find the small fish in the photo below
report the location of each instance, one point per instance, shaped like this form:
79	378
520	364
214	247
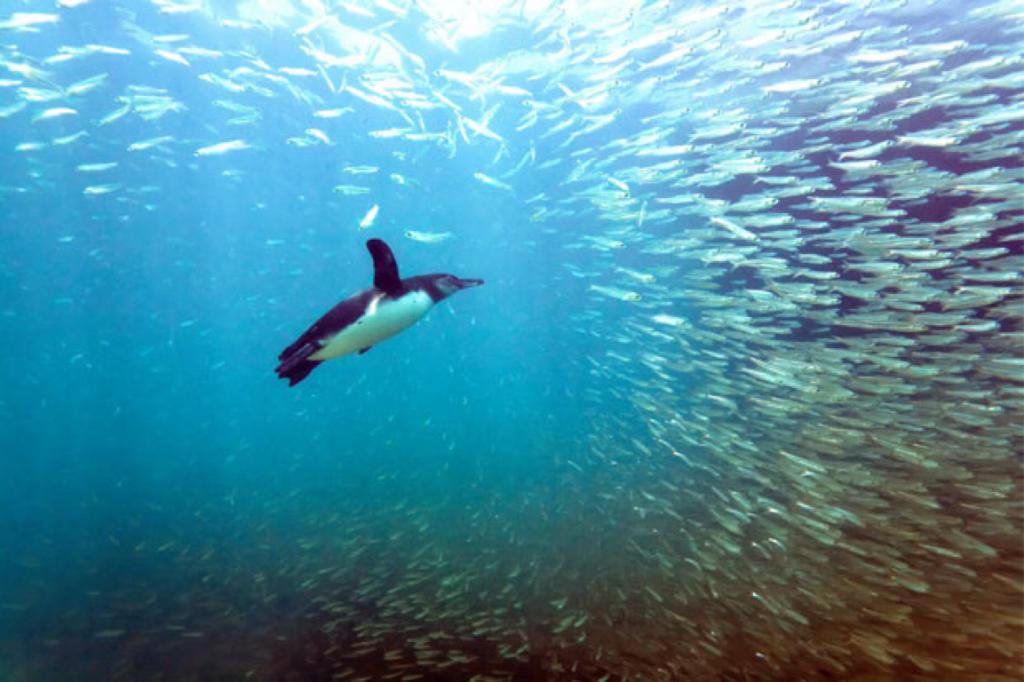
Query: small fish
108	634
488	180
387	133
115	114
428	237
26	70
734	229
319	135
616	293
332	113
923	140
143	145
643	277
669	320
68	139
55	112
83	86
26	19
39	94
793	85
222	148
95	167
12	109
194	51
480	129
172	57
370	216
351	190
97	190
619	183
172	38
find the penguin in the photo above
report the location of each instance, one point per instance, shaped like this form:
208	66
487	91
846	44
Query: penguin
362	320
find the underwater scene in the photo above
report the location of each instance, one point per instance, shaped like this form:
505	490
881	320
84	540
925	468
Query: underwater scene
512	340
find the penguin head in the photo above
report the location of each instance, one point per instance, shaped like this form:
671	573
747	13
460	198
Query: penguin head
449	284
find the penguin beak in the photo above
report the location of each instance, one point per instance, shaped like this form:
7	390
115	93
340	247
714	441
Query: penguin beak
466	283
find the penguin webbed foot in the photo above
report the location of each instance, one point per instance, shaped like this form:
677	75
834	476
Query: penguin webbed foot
295	363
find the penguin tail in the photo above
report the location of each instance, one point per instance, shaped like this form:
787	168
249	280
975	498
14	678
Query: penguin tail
295	363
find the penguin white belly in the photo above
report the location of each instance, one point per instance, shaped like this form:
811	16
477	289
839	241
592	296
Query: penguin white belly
383	319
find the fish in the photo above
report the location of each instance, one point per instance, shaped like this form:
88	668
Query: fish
319	135
12	109
388	133
25	20
172	56
222	148
733	228
488	180
616	293
98	190
96	167
55	112
68	139
428	237
143	145
618	183
332	113
86	85
115	115
350	190
369	218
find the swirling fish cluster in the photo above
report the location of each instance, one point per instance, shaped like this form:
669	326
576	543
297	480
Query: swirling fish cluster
803	262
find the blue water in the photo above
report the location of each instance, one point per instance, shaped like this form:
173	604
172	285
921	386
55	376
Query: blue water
148	446
172	510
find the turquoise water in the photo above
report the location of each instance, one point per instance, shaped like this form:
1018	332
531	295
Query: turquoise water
740	398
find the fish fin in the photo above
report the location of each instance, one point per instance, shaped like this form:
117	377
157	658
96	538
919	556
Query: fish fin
385	269
363	350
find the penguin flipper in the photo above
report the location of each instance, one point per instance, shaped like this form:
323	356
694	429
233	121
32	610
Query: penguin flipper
385	268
